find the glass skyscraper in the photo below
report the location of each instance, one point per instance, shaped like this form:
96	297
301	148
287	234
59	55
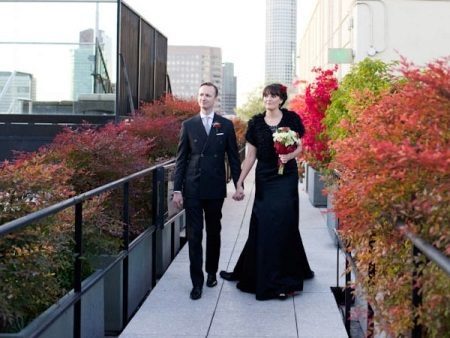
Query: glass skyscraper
228	89
281	36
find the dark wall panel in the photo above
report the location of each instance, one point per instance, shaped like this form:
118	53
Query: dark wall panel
146	84
161	64
24	132
129	48
144	50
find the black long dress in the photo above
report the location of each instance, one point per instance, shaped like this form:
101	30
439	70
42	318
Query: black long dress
273	260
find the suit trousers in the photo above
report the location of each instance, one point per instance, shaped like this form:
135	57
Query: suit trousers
212	209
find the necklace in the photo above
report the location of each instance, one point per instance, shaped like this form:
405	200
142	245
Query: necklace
273	122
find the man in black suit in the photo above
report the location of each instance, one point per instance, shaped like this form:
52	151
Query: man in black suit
200	182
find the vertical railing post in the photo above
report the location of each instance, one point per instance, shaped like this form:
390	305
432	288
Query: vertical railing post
338	247
337	264
153	259
370	314
416	296
125	244
172	240
78	267
347	294
370	321
157	214
158	197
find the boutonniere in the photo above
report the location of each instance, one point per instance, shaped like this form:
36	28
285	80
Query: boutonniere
217	126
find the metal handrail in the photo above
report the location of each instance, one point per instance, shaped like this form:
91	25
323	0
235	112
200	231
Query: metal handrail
419	246
77	201
433	254
53	209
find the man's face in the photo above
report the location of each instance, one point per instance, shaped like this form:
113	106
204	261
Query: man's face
206	97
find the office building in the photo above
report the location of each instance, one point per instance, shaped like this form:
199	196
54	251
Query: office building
17	91
229	88
189	66
84	59
281	37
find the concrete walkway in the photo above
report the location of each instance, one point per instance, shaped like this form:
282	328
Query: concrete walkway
225	311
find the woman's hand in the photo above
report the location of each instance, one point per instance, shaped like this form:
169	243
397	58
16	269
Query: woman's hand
239	194
286	157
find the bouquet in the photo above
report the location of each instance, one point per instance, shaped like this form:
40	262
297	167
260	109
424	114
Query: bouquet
285	142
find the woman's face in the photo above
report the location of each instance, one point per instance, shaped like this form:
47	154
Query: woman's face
271	102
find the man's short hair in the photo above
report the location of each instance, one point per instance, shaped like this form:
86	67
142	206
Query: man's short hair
210	84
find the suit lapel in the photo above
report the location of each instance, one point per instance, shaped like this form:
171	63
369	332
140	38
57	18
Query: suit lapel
211	138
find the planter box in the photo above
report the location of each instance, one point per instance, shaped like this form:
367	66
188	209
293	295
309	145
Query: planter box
112	292
332	222
168	243
140	271
139	281
315	188
92	308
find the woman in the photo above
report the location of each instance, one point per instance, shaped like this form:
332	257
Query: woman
273	263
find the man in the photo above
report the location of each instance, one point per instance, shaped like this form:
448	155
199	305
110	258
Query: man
200	183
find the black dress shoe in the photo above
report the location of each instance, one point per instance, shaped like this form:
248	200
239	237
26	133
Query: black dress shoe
196	293
211	281
309	275
227	275
282	296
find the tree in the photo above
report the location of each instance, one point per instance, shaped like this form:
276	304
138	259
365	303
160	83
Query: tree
253	106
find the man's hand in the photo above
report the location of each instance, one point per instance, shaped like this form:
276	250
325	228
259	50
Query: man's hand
178	200
239	194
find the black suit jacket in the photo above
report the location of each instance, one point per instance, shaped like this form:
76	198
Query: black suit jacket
200	166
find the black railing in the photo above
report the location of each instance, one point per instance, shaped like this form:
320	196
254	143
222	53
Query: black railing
349	298
420	247
162	217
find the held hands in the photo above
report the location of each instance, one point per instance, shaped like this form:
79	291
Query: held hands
239	194
178	200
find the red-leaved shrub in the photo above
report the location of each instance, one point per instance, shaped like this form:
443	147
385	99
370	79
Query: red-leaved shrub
169	105
99	156
311	107
163	131
395	166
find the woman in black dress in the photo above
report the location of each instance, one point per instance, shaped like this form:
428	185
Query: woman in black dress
273	263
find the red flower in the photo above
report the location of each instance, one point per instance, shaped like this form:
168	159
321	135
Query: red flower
311	107
217	125
285	142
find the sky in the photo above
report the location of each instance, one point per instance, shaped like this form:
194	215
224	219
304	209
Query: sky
236	26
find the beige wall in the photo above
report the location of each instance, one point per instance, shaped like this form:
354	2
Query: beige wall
383	29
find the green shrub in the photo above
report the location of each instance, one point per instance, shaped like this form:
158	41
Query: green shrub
360	88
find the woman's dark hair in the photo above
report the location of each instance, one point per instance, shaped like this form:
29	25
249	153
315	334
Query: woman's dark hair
276	89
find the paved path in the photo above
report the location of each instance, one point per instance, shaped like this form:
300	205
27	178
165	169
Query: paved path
224	311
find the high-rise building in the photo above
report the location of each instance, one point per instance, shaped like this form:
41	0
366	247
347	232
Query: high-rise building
281	36
189	66
17	91
84	60
228	89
